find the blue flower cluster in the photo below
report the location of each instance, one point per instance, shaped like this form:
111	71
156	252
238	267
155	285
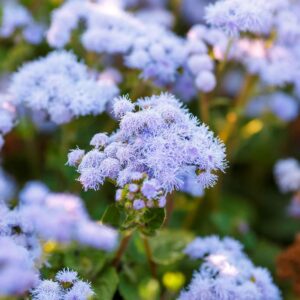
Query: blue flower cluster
280	104
15	17
234	16
61	87
38	218
157	145
157	52
226	273
287	175
67	286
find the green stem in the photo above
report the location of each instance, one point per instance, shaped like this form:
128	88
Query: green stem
223	63
152	264
204	106
121	250
192	216
169	209
234	117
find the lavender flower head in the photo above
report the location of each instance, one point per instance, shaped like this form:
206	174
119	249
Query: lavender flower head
287	175
226	273
151	48
15	263
62	87
59	210
66	286
15	16
234	16
156	145
282	105
41	215
203	47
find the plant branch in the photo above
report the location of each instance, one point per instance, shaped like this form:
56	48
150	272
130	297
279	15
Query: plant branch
122	248
152	264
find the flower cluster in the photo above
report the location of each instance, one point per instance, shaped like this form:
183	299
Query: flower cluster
158	53
282	105
15	264
234	16
226	273
41	216
287	175
48	212
205	47
200	40
14	17
67	286
193	10
157	145
61	87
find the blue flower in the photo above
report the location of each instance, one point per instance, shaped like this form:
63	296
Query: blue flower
61	87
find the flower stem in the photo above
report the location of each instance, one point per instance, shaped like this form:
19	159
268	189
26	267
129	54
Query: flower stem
122	248
223	63
241	101
204	107
152	264
169	209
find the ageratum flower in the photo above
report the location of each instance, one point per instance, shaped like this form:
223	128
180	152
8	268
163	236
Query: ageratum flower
157	145
234	16
41	215
287	175
66	286
61	87
59	210
203	46
226	273
14	17
15	263
282	105
157	52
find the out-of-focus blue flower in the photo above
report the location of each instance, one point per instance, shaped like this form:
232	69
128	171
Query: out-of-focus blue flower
282	105
235	16
14	17
287	175
42	215
226	273
62	87
149	47
15	264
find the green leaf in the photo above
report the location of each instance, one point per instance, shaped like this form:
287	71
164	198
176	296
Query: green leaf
87	261
167	246
106	285
112	216
153	220
127	289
